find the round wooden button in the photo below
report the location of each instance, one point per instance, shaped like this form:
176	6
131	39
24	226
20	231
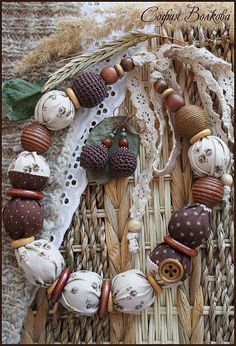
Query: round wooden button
25	193
170	270
105	292
62	281
155	285
21	242
180	247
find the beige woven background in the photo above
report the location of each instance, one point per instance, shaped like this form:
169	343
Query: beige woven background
201	310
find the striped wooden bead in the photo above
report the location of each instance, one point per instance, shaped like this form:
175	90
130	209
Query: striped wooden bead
190	120
208	191
37	138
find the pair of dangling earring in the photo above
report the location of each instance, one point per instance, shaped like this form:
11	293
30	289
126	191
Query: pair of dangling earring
95	158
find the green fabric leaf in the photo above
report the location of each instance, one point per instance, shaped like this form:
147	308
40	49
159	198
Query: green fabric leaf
101	131
20	98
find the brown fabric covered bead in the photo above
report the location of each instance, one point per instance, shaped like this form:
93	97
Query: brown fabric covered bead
37	138
94	158
174	102
164	251
127	64
109	75
160	85
122	163
27	181
22	218
208	191
191	225
190	120
90	89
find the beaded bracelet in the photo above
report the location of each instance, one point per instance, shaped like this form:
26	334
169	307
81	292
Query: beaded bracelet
169	263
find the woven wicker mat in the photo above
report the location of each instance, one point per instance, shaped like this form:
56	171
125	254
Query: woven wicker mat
199	312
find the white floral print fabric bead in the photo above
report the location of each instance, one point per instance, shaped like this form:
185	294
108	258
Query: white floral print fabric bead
55	110
209	156
82	292
31	163
131	292
41	261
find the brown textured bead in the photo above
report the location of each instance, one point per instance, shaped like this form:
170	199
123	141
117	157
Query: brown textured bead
189	120
123	143
107	142
63	278
104	298
37	138
160	85
127	64
109	75
25	193
174	102
208	191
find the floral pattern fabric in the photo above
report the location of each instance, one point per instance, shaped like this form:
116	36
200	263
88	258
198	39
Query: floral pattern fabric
82	292
41	261
31	163
131	292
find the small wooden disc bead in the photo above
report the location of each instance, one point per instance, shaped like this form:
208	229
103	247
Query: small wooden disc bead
25	193
109	75
51	288
15	244
155	285
119	70
105	292
199	135
160	86
174	102
134	226
167	93
62	281
180	247
37	138
72	96
110	303
208	191
127	64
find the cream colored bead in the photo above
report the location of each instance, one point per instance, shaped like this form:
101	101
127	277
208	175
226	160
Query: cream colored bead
119	70
134	226
15	244
226	179
167	93
73	98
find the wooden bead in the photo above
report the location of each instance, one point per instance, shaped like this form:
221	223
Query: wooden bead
170	270
110	303
155	285
37	138
15	244
51	288
190	120
73	97
160	86
200	135
62	281
109	75
180	247
123	143
107	142
174	102
226	179
119	70
134	226
127	64
167	93
208	190
25	193
105	292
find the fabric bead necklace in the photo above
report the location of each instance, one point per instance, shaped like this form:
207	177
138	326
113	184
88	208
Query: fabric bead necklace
85	292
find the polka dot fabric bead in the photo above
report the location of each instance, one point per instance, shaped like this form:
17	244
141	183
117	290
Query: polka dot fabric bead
191	225
22	218
27	181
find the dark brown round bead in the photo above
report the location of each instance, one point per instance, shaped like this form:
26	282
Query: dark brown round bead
94	158
123	143
208	191
37	138
27	181
22	218
109	75
160	85
127	64
122	163
105	291
107	142
174	102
